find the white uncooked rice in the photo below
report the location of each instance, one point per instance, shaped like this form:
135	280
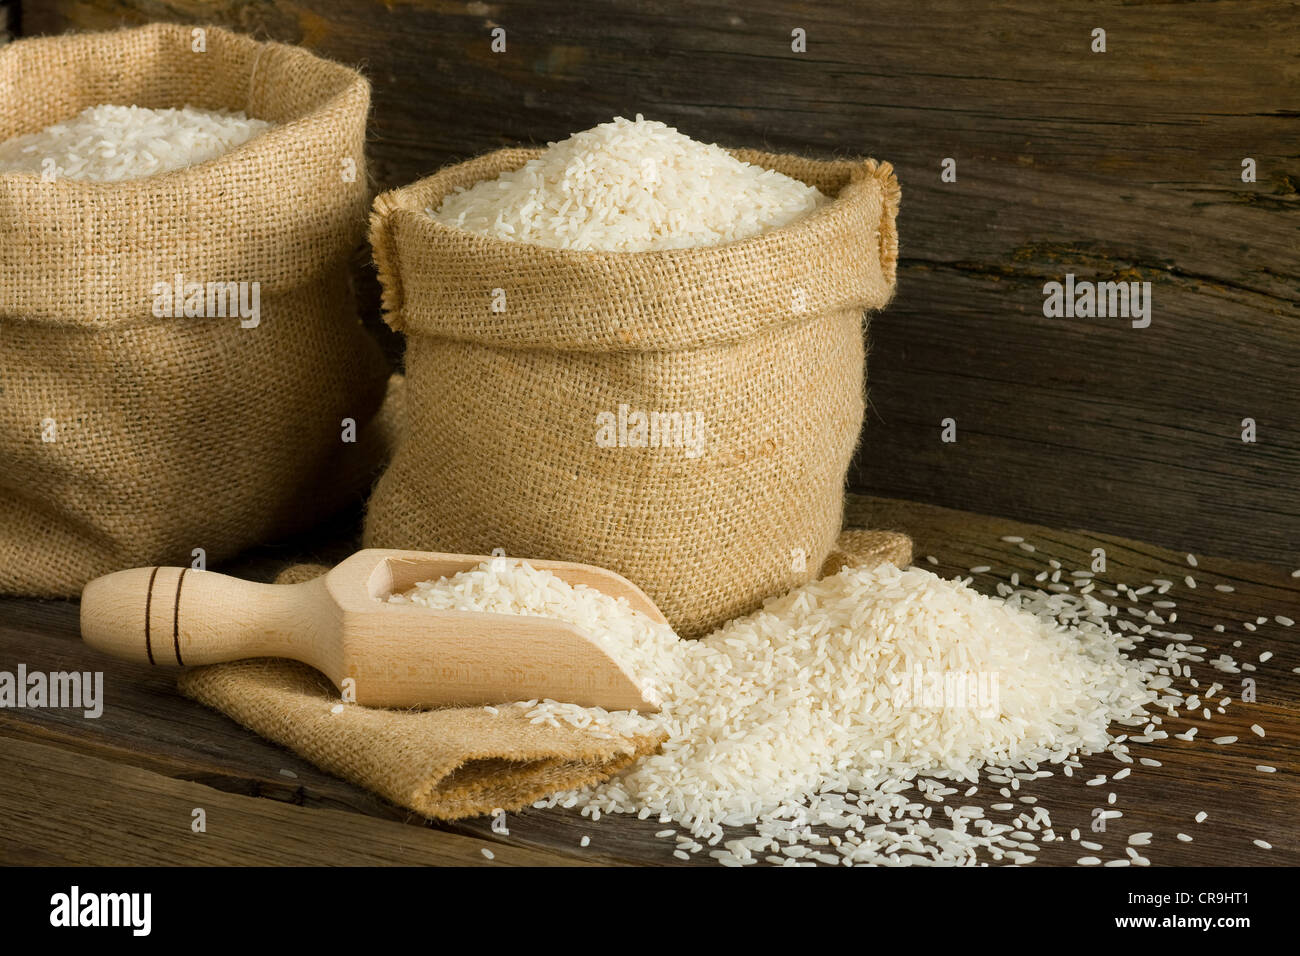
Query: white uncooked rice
115	143
644	648
792	718
789	745
630	186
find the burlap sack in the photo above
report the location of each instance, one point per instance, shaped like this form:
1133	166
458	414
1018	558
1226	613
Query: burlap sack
763	338
130	440
449	763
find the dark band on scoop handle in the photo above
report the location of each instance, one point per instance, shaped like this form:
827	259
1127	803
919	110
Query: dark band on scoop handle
176	618
148	608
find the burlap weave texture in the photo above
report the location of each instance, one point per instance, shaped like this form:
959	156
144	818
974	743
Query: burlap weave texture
127	439
515	350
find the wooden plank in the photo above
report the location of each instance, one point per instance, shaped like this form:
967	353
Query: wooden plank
147	726
1122	164
63	807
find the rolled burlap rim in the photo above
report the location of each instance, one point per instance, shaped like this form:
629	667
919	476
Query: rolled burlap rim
268	210
434	276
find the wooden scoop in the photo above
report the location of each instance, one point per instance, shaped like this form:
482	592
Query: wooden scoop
397	655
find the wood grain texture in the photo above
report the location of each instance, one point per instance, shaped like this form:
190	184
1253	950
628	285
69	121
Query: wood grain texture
65	807
1125	164
148	726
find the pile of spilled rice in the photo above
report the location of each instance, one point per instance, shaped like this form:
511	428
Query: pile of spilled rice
843	722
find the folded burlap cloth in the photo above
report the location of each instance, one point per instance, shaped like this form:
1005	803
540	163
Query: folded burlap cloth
452	762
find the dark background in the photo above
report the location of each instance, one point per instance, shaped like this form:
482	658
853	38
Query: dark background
1122	165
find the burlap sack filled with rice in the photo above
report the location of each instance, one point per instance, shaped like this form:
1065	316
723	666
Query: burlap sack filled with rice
519	355
131	439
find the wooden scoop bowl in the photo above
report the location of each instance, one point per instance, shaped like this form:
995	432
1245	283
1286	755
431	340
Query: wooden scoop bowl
396	655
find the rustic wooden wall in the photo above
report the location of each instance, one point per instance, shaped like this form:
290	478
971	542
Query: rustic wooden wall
8	20
1118	164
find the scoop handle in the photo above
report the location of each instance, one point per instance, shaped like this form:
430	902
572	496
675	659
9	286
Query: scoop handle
182	616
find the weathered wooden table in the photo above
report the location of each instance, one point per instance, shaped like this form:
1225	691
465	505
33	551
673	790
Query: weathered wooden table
121	788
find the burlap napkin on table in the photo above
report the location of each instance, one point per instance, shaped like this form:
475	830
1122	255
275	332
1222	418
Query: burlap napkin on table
449	763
